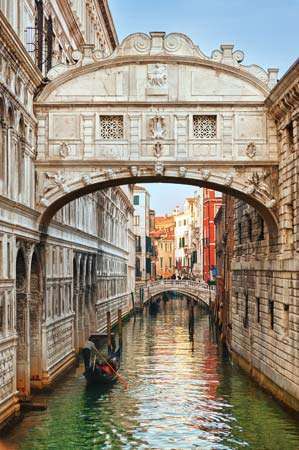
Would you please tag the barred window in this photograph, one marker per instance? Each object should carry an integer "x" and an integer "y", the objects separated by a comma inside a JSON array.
[
  {"x": 112, "y": 127},
  {"x": 205, "y": 127}
]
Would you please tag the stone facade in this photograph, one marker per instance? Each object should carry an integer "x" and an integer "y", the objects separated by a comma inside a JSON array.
[
  {"x": 55, "y": 287},
  {"x": 258, "y": 311}
]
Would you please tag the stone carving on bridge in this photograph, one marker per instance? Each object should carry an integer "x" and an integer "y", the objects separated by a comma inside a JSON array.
[
  {"x": 257, "y": 184},
  {"x": 86, "y": 179},
  {"x": 157, "y": 75},
  {"x": 64, "y": 150},
  {"x": 157, "y": 127},
  {"x": 205, "y": 174},
  {"x": 54, "y": 180},
  {"x": 157, "y": 79},
  {"x": 182, "y": 171},
  {"x": 159, "y": 168},
  {"x": 229, "y": 179},
  {"x": 158, "y": 149},
  {"x": 134, "y": 171},
  {"x": 251, "y": 150},
  {"x": 110, "y": 174}
]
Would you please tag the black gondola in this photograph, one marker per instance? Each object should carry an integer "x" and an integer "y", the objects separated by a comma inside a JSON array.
[{"x": 106, "y": 372}]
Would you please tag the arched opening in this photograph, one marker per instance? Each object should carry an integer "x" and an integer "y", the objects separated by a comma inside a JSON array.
[
  {"x": 35, "y": 320},
  {"x": 22, "y": 326},
  {"x": 60, "y": 199}
]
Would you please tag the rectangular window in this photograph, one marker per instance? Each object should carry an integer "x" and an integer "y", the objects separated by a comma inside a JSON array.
[
  {"x": 237, "y": 302},
  {"x": 258, "y": 310},
  {"x": 205, "y": 127},
  {"x": 161, "y": 263},
  {"x": 286, "y": 319},
  {"x": 136, "y": 220},
  {"x": 136, "y": 200},
  {"x": 271, "y": 312},
  {"x": 112, "y": 127},
  {"x": 239, "y": 233},
  {"x": 249, "y": 227},
  {"x": 170, "y": 262},
  {"x": 246, "y": 311},
  {"x": 260, "y": 236},
  {"x": 2, "y": 312}
]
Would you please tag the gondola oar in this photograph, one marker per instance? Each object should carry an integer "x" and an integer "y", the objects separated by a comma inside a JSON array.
[{"x": 120, "y": 377}]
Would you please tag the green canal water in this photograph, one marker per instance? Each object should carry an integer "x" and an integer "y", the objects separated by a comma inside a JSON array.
[{"x": 180, "y": 396}]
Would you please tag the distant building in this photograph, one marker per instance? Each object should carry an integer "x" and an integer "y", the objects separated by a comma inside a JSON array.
[
  {"x": 188, "y": 232},
  {"x": 163, "y": 240},
  {"x": 144, "y": 250},
  {"x": 212, "y": 200}
]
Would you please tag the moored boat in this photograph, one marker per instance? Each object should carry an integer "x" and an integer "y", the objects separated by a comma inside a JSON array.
[{"x": 105, "y": 372}]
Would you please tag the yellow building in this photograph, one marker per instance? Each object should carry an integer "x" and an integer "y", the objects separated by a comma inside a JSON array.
[{"x": 163, "y": 239}]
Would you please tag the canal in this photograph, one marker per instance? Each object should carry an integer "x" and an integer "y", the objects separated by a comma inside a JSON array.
[{"x": 181, "y": 395}]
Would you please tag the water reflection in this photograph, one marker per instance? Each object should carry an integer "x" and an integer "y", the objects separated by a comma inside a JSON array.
[{"x": 183, "y": 394}]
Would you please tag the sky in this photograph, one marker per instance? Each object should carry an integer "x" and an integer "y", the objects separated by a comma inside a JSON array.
[{"x": 266, "y": 30}]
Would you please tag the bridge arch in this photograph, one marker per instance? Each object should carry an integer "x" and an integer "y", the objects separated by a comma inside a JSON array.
[{"x": 157, "y": 109}]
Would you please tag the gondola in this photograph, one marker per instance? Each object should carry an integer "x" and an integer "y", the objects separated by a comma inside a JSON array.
[{"x": 104, "y": 373}]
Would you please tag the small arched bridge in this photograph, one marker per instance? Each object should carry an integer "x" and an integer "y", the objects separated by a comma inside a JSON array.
[{"x": 200, "y": 292}]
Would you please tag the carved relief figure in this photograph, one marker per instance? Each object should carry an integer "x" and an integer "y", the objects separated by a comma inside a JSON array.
[
  {"x": 157, "y": 76},
  {"x": 157, "y": 127}
]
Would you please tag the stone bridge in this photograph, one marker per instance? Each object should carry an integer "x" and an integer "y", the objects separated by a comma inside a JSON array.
[
  {"x": 200, "y": 292},
  {"x": 157, "y": 109}
]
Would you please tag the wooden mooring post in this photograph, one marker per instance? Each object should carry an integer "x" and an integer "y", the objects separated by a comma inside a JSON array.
[
  {"x": 120, "y": 338},
  {"x": 109, "y": 342}
]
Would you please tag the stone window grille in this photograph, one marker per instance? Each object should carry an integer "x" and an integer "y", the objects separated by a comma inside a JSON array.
[
  {"x": 205, "y": 126},
  {"x": 111, "y": 127}
]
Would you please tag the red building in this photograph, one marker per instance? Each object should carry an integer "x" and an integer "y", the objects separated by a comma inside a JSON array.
[{"x": 212, "y": 200}]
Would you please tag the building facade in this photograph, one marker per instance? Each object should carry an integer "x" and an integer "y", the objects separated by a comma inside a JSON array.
[
  {"x": 56, "y": 284},
  {"x": 141, "y": 201},
  {"x": 188, "y": 230},
  {"x": 163, "y": 239},
  {"x": 212, "y": 201}
]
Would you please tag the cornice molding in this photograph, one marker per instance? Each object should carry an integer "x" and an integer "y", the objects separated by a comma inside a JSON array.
[
  {"x": 107, "y": 16},
  {"x": 284, "y": 98}
]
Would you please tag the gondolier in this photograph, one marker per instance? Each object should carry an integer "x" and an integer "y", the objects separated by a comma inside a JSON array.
[{"x": 89, "y": 352}]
